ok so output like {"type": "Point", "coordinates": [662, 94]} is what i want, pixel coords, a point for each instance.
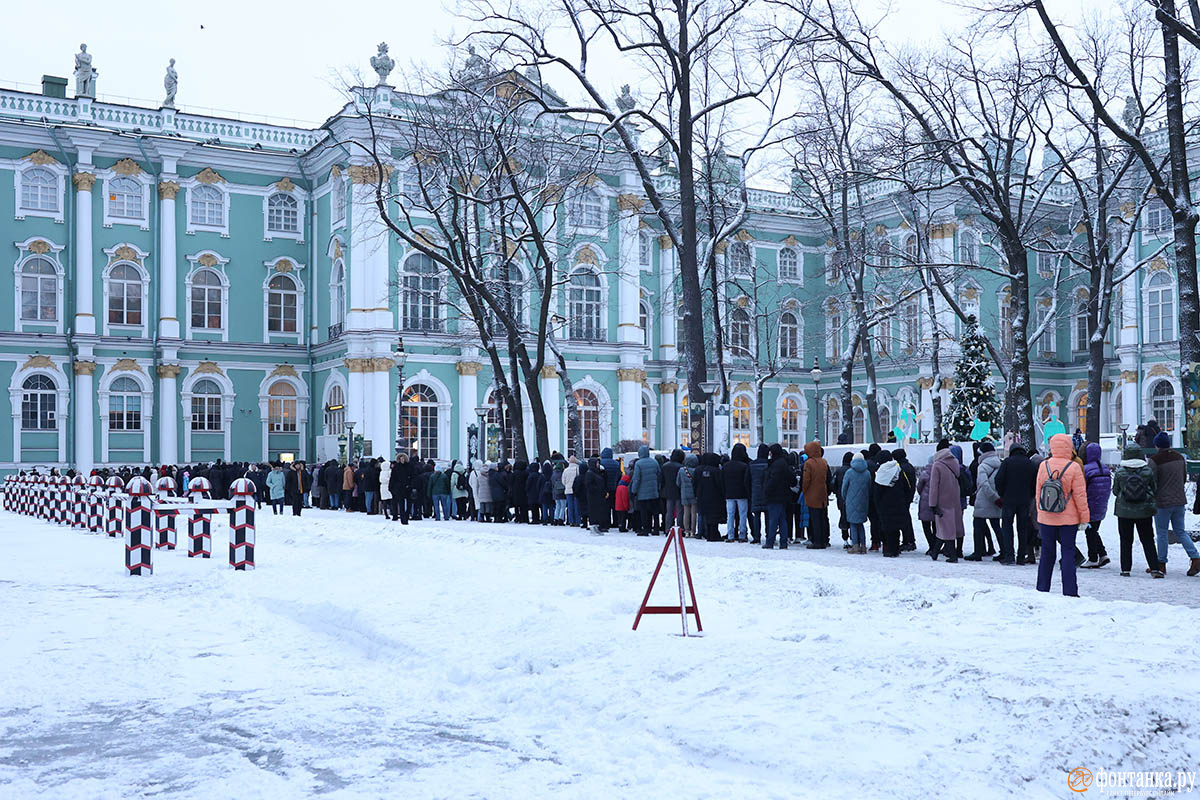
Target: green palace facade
{"type": "Point", "coordinates": [187, 288]}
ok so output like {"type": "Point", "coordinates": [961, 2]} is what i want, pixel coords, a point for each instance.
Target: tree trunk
{"type": "Point", "coordinates": [935, 358]}
{"type": "Point", "coordinates": [1019, 396]}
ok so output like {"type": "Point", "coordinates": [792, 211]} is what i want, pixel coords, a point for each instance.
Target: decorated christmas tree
{"type": "Point", "coordinates": [973, 396]}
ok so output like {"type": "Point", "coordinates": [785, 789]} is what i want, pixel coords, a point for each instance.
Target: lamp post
{"type": "Point", "coordinates": [1124, 435]}
{"type": "Point", "coordinates": [350, 440]}
{"type": "Point", "coordinates": [816, 376]}
{"type": "Point", "coordinates": [709, 388]}
{"type": "Point", "coordinates": [481, 413]}
{"type": "Point", "coordinates": [399, 357]}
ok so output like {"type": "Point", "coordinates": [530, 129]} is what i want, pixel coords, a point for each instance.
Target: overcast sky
{"type": "Point", "coordinates": [279, 59]}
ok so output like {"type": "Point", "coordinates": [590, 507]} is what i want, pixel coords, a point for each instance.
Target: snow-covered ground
{"type": "Point", "coordinates": [367, 659]}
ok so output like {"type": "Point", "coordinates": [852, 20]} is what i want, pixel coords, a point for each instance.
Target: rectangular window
{"type": "Point", "coordinates": [282, 414]}
{"type": "Point", "coordinates": [206, 414]}
{"type": "Point", "coordinates": [1158, 218]}
{"type": "Point", "coordinates": [283, 219]}
{"type": "Point", "coordinates": [125, 413]}
{"type": "Point", "coordinates": [281, 313]}
{"type": "Point", "coordinates": [37, 411]}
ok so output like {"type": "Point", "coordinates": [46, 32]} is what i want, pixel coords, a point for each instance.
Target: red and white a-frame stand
{"type": "Point", "coordinates": [674, 537]}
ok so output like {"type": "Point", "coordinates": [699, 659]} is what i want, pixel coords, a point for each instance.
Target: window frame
{"type": "Point", "coordinates": [294, 292]}
{"type": "Point", "coordinates": [416, 295]}
{"type": "Point", "coordinates": [205, 225]}
{"type": "Point", "coordinates": [1155, 292]}
{"type": "Point", "coordinates": [588, 307]}
{"type": "Point", "coordinates": [295, 197]}
{"type": "Point", "coordinates": [44, 404]}
{"type": "Point", "coordinates": [123, 396]}
{"type": "Point", "coordinates": [58, 174]}
{"type": "Point", "coordinates": [142, 219]}
{"type": "Point", "coordinates": [794, 252]}
{"type": "Point", "coordinates": [142, 297]}
{"type": "Point", "coordinates": [282, 407]}
{"type": "Point", "coordinates": [206, 400]}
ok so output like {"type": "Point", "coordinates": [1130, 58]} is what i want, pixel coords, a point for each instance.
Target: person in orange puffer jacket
{"type": "Point", "coordinates": [1060, 527]}
{"type": "Point", "coordinates": [621, 503]}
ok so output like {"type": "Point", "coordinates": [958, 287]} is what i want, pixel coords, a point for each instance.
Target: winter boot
{"type": "Point", "coordinates": [958, 543]}
{"type": "Point", "coordinates": [978, 553]}
{"type": "Point", "coordinates": [1195, 568]}
{"type": "Point", "coordinates": [953, 550]}
{"type": "Point", "coordinates": [991, 548]}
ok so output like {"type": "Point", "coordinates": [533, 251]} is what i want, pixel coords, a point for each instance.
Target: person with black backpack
{"type": "Point", "coordinates": [1014, 484]}
{"type": "Point", "coordinates": [1062, 509]}
{"type": "Point", "coordinates": [1134, 486]}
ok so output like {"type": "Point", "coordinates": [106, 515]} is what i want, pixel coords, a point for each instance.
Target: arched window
{"type": "Point", "coordinates": [789, 423]}
{"type": "Point", "coordinates": [789, 264]}
{"type": "Point", "coordinates": [584, 298]}
{"type": "Point", "coordinates": [495, 427]}
{"type": "Point", "coordinates": [281, 407]}
{"type": "Point", "coordinates": [206, 406]}
{"type": "Point", "coordinates": [739, 259]}
{"type": "Point", "coordinates": [1079, 326]}
{"type": "Point", "coordinates": [680, 332]}
{"type": "Point", "coordinates": [1162, 405]}
{"type": "Point", "coordinates": [883, 328]}
{"type": "Point", "coordinates": [833, 421]}
{"type": "Point", "coordinates": [1047, 342]}
{"type": "Point", "coordinates": [789, 335]}
{"type": "Point", "coordinates": [335, 412]}
{"type": "Point", "coordinates": [422, 294]}
{"type": "Point", "coordinates": [586, 210]}
{"type": "Point", "coordinates": [833, 331]}
{"type": "Point", "coordinates": [125, 405]}
{"type": "Point", "coordinates": [338, 193]}
{"type": "Point", "coordinates": [39, 403]}
{"type": "Point", "coordinates": [647, 421]}
{"type": "Point", "coordinates": [644, 249]}
{"type": "Point", "coordinates": [419, 426]}
{"type": "Point", "coordinates": [39, 190]}
{"type": "Point", "coordinates": [589, 420]}
{"type": "Point", "coordinates": [968, 248]}
{"type": "Point", "coordinates": [1160, 309]}
{"type": "Point", "coordinates": [1081, 409]}
{"type": "Point", "coordinates": [885, 423]}
{"type": "Point", "coordinates": [911, 321]}
{"type": "Point", "coordinates": [685, 427]}
{"type": "Point", "coordinates": [337, 298]}
{"type": "Point", "coordinates": [911, 251]}
{"type": "Point", "coordinates": [860, 425]}
{"type": "Point", "coordinates": [283, 213]}
{"type": "Point", "coordinates": [124, 295]}
{"type": "Point", "coordinates": [125, 198]}
{"type": "Point", "coordinates": [281, 305]}
{"type": "Point", "coordinates": [1006, 321]}
{"type": "Point", "coordinates": [508, 285]}
{"type": "Point", "coordinates": [644, 322]}
{"type": "Point", "coordinates": [206, 298]}
{"type": "Point", "coordinates": [741, 419]}
{"type": "Point", "coordinates": [39, 291]}
{"type": "Point", "coordinates": [739, 332]}
{"type": "Point", "coordinates": [208, 206]}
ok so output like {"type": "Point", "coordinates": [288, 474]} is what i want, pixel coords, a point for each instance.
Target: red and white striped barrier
{"type": "Point", "coordinates": [241, 524]}
{"type": "Point", "coordinates": [200, 521]}
{"type": "Point", "coordinates": [139, 536]}
{"type": "Point", "coordinates": [165, 532]}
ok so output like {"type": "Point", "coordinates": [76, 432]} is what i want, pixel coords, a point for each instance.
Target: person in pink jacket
{"type": "Point", "coordinates": [1059, 525]}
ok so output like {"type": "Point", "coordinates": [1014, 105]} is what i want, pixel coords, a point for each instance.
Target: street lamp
{"type": "Point", "coordinates": [1124, 435]}
{"type": "Point", "coordinates": [350, 439]}
{"type": "Point", "coordinates": [481, 412]}
{"type": "Point", "coordinates": [709, 388]}
{"type": "Point", "coordinates": [399, 357]}
{"type": "Point", "coordinates": [815, 372]}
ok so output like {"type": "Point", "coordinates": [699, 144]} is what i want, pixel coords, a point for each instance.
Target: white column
{"type": "Point", "coordinates": [168, 314]}
{"type": "Point", "coordinates": [380, 403]}
{"type": "Point", "coordinates": [668, 325]}
{"type": "Point", "coordinates": [1131, 404]}
{"type": "Point", "coordinates": [356, 401]}
{"type": "Point", "coordinates": [368, 270]}
{"type": "Point", "coordinates": [628, 271]}
{"type": "Point", "coordinates": [168, 424]}
{"type": "Point", "coordinates": [552, 403]}
{"type": "Point", "coordinates": [668, 414]}
{"type": "Point", "coordinates": [629, 404]}
{"type": "Point", "coordinates": [85, 319]}
{"type": "Point", "coordinates": [468, 398]}
{"type": "Point", "coordinates": [85, 417]}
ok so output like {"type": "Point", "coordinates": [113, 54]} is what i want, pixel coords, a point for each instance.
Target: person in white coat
{"type": "Point", "coordinates": [385, 492]}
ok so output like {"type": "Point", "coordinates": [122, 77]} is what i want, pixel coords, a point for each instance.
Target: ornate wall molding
{"type": "Point", "coordinates": [127, 365]}
{"type": "Point", "coordinates": [127, 166]}
{"type": "Point", "coordinates": [85, 367]}
{"type": "Point", "coordinates": [633, 375]}
{"type": "Point", "coordinates": [39, 362]}
{"type": "Point", "coordinates": [168, 190]}
{"type": "Point", "coordinates": [668, 387]}
{"type": "Point", "coordinates": [208, 368]}
{"type": "Point", "coordinates": [468, 367]}
{"type": "Point", "coordinates": [169, 370]}
{"type": "Point", "coordinates": [209, 175]}
{"type": "Point", "coordinates": [84, 181]}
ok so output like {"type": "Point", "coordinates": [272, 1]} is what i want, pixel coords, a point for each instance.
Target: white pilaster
{"type": "Point", "coordinates": [468, 398]}
{"type": "Point", "coordinates": [168, 286]}
{"type": "Point", "coordinates": [668, 325]}
{"type": "Point", "coordinates": [668, 416]}
{"type": "Point", "coordinates": [85, 417]}
{"type": "Point", "coordinates": [85, 319]}
{"type": "Point", "coordinates": [368, 270]}
{"type": "Point", "coordinates": [168, 425]}
{"type": "Point", "coordinates": [629, 404]}
{"type": "Point", "coordinates": [628, 270]}
{"type": "Point", "coordinates": [552, 403]}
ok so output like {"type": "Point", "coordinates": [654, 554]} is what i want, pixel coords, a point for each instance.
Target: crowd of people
{"type": "Point", "coordinates": [1025, 506]}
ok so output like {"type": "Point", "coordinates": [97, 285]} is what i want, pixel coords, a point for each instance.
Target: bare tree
{"type": "Point", "coordinates": [704, 64]}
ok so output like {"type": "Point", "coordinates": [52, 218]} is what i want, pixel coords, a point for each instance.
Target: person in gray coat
{"type": "Point", "coordinates": [644, 485]}
{"type": "Point", "coordinates": [856, 489]}
{"type": "Point", "coordinates": [987, 503]}
{"type": "Point", "coordinates": [687, 494]}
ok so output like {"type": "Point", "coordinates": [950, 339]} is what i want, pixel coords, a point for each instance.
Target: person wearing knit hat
{"type": "Point", "coordinates": [1170, 475]}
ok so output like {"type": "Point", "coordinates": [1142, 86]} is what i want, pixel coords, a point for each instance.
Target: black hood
{"type": "Point", "coordinates": [739, 453]}
{"type": "Point", "coordinates": [764, 452]}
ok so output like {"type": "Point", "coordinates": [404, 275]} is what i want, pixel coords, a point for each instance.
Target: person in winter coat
{"type": "Point", "coordinates": [893, 493]}
{"type": "Point", "coordinates": [439, 490]}
{"type": "Point", "coordinates": [332, 477]}
{"type": "Point", "coordinates": [777, 491]}
{"type": "Point", "coordinates": [1134, 487]}
{"type": "Point", "coordinates": [275, 485]}
{"type": "Point", "coordinates": [581, 495]}
{"type": "Point", "coordinates": [570, 473]}
{"type": "Point", "coordinates": [481, 488]}
{"type": "Point", "coordinates": [371, 484]}
{"type": "Point", "coordinates": [758, 492]}
{"type": "Point", "coordinates": [814, 486]}
{"type": "Point", "coordinates": [387, 502]}
{"type": "Point", "coordinates": [399, 483]}
{"type": "Point", "coordinates": [546, 493]}
{"type": "Point", "coordinates": [1059, 526]}
{"type": "Point", "coordinates": [644, 486]}
{"type": "Point", "coordinates": [735, 479]}
{"type": "Point", "coordinates": [710, 497]}
{"type": "Point", "coordinates": [460, 488]}
{"type": "Point", "coordinates": [347, 486]}
{"type": "Point", "coordinates": [1170, 471]}
{"type": "Point", "coordinates": [672, 507]}
{"type": "Point", "coordinates": [516, 492]}
{"type": "Point", "coordinates": [945, 501]}
{"type": "Point", "coordinates": [533, 492]}
{"type": "Point", "coordinates": [1099, 487]}
{"type": "Point", "coordinates": [621, 506]}
{"type": "Point", "coordinates": [500, 478]}
{"type": "Point", "coordinates": [987, 502]}
{"type": "Point", "coordinates": [1014, 483]}
{"type": "Point", "coordinates": [295, 483]}
{"type": "Point", "coordinates": [856, 490]}
{"type": "Point", "coordinates": [595, 487]}
{"type": "Point", "coordinates": [558, 491]}
{"type": "Point", "coordinates": [839, 475]}
{"type": "Point", "coordinates": [924, 512]}
{"type": "Point", "coordinates": [908, 539]}
{"type": "Point", "coordinates": [687, 493]}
